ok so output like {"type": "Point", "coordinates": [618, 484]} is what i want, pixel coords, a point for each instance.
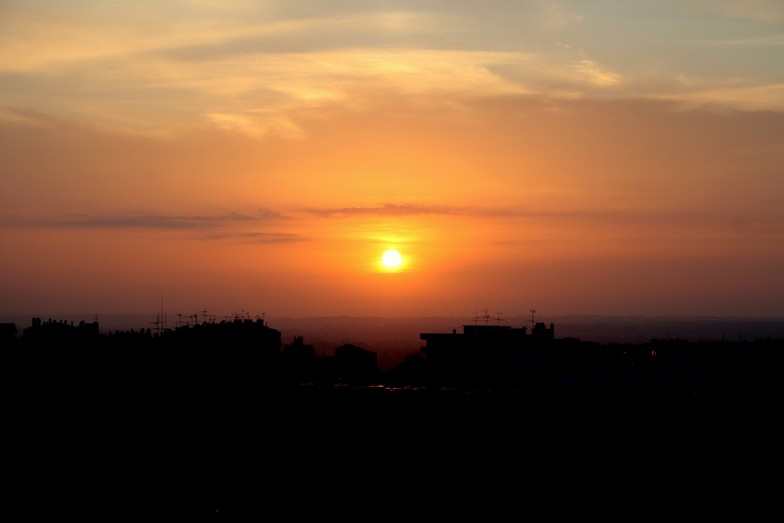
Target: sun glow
{"type": "Point", "coordinates": [392, 259]}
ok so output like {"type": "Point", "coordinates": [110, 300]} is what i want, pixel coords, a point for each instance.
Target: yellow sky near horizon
{"type": "Point", "coordinates": [262, 156]}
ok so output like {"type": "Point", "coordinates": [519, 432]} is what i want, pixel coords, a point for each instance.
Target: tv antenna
{"type": "Point", "coordinates": [498, 315]}
{"type": "Point", "coordinates": [533, 311]}
{"type": "Point", "coordinates": [160, 321]}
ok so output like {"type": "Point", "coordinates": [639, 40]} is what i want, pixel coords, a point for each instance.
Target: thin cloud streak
{"type": "Point", "coordinates": [155, 221]}
{"type": "Point", "coordinates": [385, 210]}
{"type": "Point", "coordinates": [768, 97]}
{"type": "Point", "coordinates": [623, 217]}
{"type": "Point", "coordinates": [258, 237]}
{"type": "Point", "coordinates": [776, 40]}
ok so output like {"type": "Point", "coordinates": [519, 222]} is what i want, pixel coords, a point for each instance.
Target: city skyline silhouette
{"type": "Point", "coordinates": [226, 400]}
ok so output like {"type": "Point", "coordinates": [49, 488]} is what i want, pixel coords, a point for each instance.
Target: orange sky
{"type": "Point", "coordinates": [248, 157]}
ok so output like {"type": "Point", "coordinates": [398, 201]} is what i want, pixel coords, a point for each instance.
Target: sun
{"type": "Point", "coordinates": [392, 259]}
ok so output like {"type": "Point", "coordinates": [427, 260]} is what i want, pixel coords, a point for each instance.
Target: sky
{"type": "Point", "coordinates": [259, 157]}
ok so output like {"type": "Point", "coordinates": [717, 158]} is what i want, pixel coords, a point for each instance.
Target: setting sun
{"type": "Point", "coordinates": [392, 259]}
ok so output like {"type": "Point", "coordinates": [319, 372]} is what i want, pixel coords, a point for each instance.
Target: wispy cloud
{"type": "Point", "coordinates": [257, 237]}
{"type": "Point", "coordinates": [28, 117]}
{"type": "Point", "coordinates": [254, 67]}
{"type": "Point", "coordinates": [746, 97]}
{"type": "Point", "coordinates": [257, 125]}
{"type": "Point", "coordinates": [594, 74]}
{"type": "Point", "coordinates": [385, 210]}
{"type": "Point", "coordinates": [776, 40]}
{"type": "Point", "coordinates": [157, 221]}
{"type": "Point", "coordinates": [618, 216]}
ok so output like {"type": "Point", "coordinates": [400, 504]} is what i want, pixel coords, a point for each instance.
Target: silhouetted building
{"type": "Point", "coordinates": [299, 361]}
{"type": "Point", "coordinates": [8, 332]}
{"type": "Point", "coordinates": [540, 332]}
{"type": "Point", "coordinates": [495, 354]}
{"type": "Point", "coordinates": [298, 351]}
{"type": "Point", "coordinates": [54, 333]}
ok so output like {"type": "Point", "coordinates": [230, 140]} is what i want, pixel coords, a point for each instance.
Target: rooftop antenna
{"type": "Point", "coordinates": [533, 311]}
{"type": "Point", "coordinates": [203, 315]}
{"type": "Point", "coordinates": [161, 318]}
{"type": "Point", "coordinates": [498, 317]}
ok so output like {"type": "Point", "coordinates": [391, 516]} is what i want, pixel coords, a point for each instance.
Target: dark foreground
{"type": "Point", "coordinates": [87, 443]}
{"type": "Point", "coordinates": [206, 424]}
